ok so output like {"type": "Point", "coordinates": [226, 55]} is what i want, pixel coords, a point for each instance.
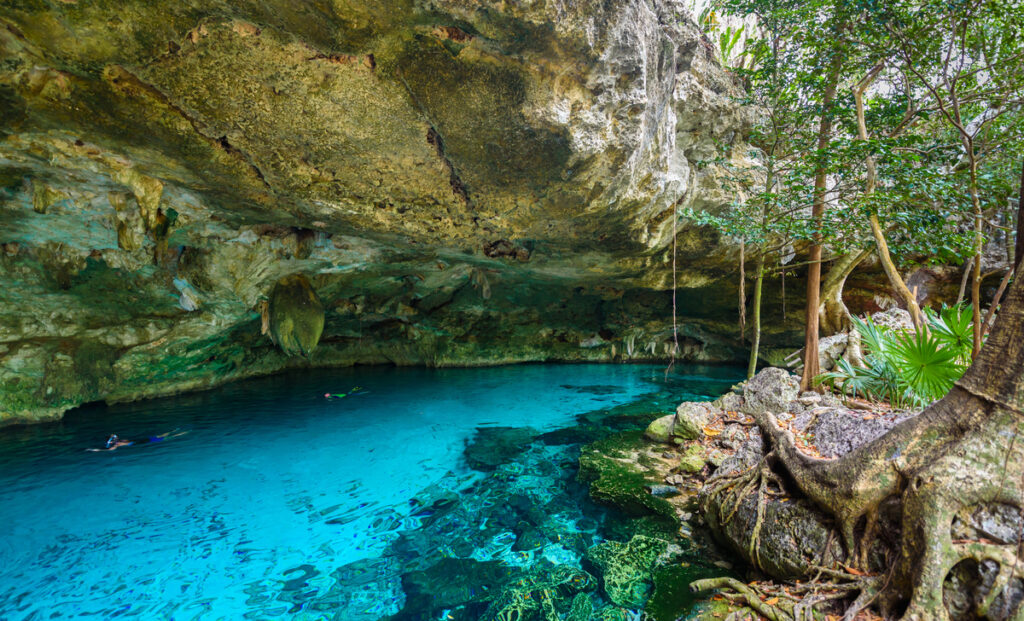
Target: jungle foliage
{"type": "Point", "coordinates": [893, 126]}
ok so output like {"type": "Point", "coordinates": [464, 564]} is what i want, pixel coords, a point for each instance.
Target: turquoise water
{"type": "Point", "coordinates": [406, 500]}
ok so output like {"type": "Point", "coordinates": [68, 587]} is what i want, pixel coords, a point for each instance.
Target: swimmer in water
{"type": "Point", "coordinates": [115, 442]}
{"type": "Point", "coordinates": [358, 390]}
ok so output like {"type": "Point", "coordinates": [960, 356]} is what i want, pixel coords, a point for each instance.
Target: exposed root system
{"type": "Point", "coordinates": [962, 453]}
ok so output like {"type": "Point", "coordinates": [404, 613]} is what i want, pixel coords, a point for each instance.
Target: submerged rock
{"type": "Point", "coordinates": [616, 479]}
{"type": "Point", "coordinates": [453, 583]}
{"type": "Point", "coordinates": [492, 446]}
{"type": "Point", "coordinates": [545, 593]}
{"type": "Point", "coordinates": [626, 570]}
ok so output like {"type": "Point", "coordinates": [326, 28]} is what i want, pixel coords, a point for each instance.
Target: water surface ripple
{"type": "Point", "coordinates": [278, 503]}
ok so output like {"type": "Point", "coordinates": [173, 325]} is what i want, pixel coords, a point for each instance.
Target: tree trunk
{"type": "Point", "coordinates": [833, 316]}
{"type": "Point", "coordinates": [1018, 251]}
{"type": "Point", "coordinates": [743, 289]}
{"type": "Point", "coordinates": [958, 454]}
{"type": "Point", "coordinates": [756, 340]}
{"type": "Point", "coordinates": [979, 239]}
{"type": "Point", "coordinates": [812, 367]}
{"type": "Point", "coordinates": [895, 279]}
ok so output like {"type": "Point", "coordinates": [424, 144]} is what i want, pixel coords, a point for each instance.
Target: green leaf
{"type": "Point", "coordinates": [927, 368]}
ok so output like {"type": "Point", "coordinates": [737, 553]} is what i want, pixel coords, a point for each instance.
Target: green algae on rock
{"type": "Point", "coordinates": [296, 316]}
{"type": "Point", "coordinates": [627, 569]}
{"type": "Point", "coordinates": [619, 481]}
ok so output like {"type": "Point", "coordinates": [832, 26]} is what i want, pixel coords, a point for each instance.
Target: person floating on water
{"type": "Point", "coordinates": [115, 442]}
{"type": "Point", "coordinates": [357, 390]}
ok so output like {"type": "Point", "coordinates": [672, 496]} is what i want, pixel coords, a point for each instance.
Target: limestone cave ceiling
{"type": "Point", "coordinates": [164, 164]}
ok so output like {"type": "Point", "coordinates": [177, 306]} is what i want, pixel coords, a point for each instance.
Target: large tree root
{"type": "Point", "coordinates": [777, 603]}
{"type": "Point", "coordinates": [734, 487]}
{"type": "Point", "coordinates": [965, 454]}
{"type": "Point", "coordinates": [964, 451]}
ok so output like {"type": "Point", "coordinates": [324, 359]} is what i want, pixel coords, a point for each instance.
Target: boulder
{"type": "Point", "coordinates": [730, 402]}
{"type": "Point", "coordinates": [691, 418]}
{"type": "Point", "coordinates": [894, 319]}
{"type": "Point", "coordinates": [831, 349]}
{"type": "Point", "coordinates": [692, 460]}
{"type": "Point", "coordinates": [660, 430]}
{"type": "Point", "coordinates": [770, 390]}
{"type": "Point", "coordinates": [794, 537]}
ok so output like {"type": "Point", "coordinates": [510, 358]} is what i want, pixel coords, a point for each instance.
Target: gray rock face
{"type": "Point", "coordinates": [831, 349]}
{"type": "Point", "coordinates": [894, 319]}
{"type": "Point", "coordinates": [837, 430]}
{"type": "Point", "coordinates": [771, 390]}
{"type": "Point", "coordinates": [417, 161]}
{"type": "Point", "coordinates": [795, 535]}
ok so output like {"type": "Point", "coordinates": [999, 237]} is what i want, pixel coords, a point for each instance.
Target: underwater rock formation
{"type": "Point", "coordinates": [462, 182]}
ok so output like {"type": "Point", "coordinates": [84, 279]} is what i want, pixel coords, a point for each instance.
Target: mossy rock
{"type": "Point", "coordinates": [617, 480]}
{"type": "Point", "coordinates": [672, 598]}
{"type": "Point", "coordinates": [626, 569]}
{"type": "Point", "coordinates": [612, 613]}
{"type": "Point", "coordinates": [296, 316]}
{"type": "Point", "coordinates": [660, 429]}
{"type": "Point", "coordinates": [545, 594]}
{"type": "Point", "coordinates": [581, 609]}
{"type": "Point", "coordinates": [692, 460]}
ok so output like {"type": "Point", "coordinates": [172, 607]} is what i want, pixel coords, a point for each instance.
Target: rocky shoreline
{"type": "Point", "coordinates": [707, 469]}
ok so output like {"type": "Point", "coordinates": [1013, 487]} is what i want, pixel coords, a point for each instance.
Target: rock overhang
{"type": "Point", "coordinates": [154, 152]}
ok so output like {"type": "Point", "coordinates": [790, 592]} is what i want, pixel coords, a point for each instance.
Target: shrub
{"type": "Point", "coordinates": [908, 368]}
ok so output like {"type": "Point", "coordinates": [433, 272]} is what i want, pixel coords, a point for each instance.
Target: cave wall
{"type": "Point", "coordinates": [461, 182]}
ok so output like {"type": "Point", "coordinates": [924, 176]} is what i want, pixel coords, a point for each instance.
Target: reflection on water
{"type": "Point", "coordinates": [413, 498]}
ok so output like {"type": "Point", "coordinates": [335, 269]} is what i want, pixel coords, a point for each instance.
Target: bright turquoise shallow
{"type": "Point", "coordinates": [280, 504]}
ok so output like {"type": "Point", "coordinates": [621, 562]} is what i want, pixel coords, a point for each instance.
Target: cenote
{"type": "Point", "coordinates": [429, 494]}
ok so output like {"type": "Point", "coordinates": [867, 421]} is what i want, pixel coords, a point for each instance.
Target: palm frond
{"type": "Point", "coordinates": [924, 364]}
{"type": "Point", "coordinates": [953, 327]}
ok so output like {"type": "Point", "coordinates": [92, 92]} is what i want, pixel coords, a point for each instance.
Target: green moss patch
{"type": "Point", "coordinates": [616, 480]}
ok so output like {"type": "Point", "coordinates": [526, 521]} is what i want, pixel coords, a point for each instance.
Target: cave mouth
{"type": "Point", "coordinates": [409, 492]}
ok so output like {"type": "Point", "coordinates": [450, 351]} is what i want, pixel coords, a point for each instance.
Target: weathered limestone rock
{"type": "Point", "coordinates": [660, 429]}
{"type": "Point", "coordinates": [626, 570]}
{"type": "Point", "coordinates": [296, 316]}
{"type": "Point", "coordinates": [465, 182]}
{"type": "Point", "coordinates": [690, 420]}
{"type": "Point", "coordinates": [771, 390]}
{"type": "Point", "coordinates": [894, 319]}
{"type": "Point", "coordinates": [692, 460]}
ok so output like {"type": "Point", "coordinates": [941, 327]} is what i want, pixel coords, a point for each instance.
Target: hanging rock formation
{"type": "Point", "coordinates": [465, 182]}
{"type": "Point", "coordinates": [296, 316]}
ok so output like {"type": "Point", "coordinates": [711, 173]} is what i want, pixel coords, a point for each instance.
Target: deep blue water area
{"type": "Point", "coordinates": [408, 500]}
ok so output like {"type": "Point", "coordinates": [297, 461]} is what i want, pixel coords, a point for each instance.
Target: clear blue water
{"type": "Point", "coordinates": [278, 503]}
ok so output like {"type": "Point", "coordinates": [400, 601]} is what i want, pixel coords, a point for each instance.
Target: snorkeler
{"type": "Point", "coordinates": [115, 442]}
{"type": "Point", "coordinates": [358, 390]}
